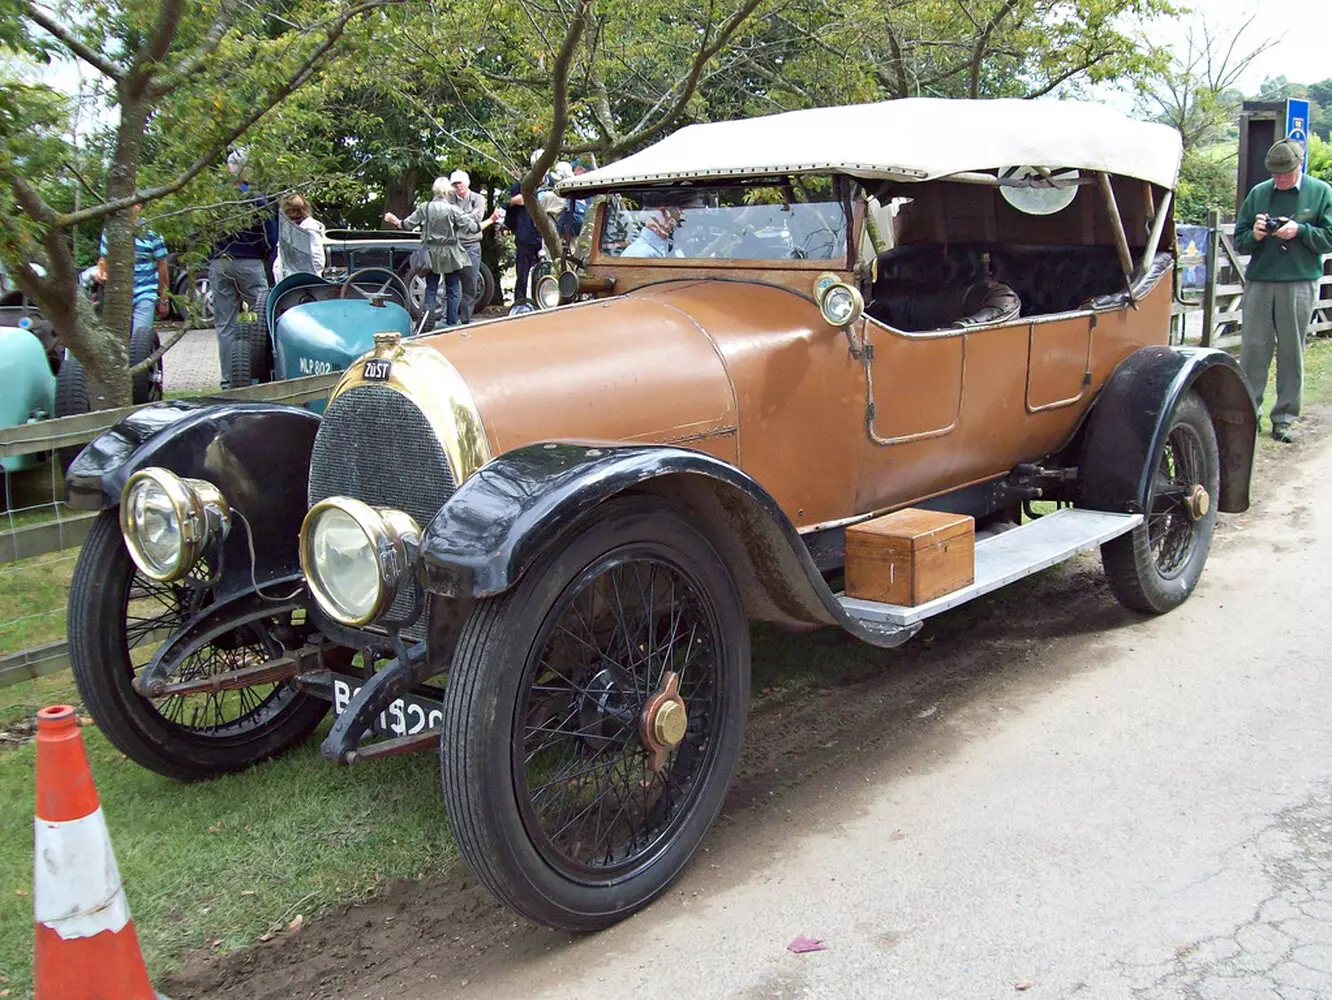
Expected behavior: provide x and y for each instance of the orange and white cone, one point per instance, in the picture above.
(86, 946)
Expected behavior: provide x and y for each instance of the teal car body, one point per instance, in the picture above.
(27, 387)
(315, 330)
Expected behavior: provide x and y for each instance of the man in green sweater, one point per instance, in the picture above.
(1286, 225)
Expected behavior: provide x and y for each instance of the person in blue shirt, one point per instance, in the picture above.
(656, 238)
(150, 275)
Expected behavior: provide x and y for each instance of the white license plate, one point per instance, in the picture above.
(406, 716)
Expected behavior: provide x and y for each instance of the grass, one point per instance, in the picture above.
(219, 864)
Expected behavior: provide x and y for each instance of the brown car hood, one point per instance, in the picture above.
(629, 368)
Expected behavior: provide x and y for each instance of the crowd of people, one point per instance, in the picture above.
(1285, 224)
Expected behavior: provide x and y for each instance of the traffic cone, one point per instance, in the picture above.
(86, 947)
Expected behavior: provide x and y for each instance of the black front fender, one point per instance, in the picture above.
(1130, 419)
(516, 507)
(257, 454)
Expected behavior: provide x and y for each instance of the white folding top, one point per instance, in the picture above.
(914, 139)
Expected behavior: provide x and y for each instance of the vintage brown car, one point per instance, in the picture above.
(536, 543)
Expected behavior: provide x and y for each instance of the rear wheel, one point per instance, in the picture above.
(71, 398)
(485, 287)
(252, 352)
(1155, 567)
(117, 620)
(416, 282)
(147, 384)
(593, 718)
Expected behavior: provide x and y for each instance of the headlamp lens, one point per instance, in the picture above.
(343, 566)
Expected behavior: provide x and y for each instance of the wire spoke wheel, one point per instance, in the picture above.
(154, 611)
(594, 715)
(593, 800)
(1172, 529)
(119, 619)
(1155, 567)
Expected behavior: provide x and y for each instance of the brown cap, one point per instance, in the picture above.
(1284, 156)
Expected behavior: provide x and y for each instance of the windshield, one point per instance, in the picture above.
(800, 219)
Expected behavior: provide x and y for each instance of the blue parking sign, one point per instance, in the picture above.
(1297, 124)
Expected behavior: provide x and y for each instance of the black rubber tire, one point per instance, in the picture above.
(485, 289)
(252, 356)
(147, 385)
(100, 661)
(1130, 565)
(71, 398)
(416, 306)
(481, 702)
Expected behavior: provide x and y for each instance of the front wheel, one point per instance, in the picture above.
(1155, 567)
(594, 715)
(118, 618)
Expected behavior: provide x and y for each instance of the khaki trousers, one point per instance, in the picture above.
(1276, 316)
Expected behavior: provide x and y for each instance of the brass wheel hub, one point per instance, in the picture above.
(663, 722)
(1198, 503)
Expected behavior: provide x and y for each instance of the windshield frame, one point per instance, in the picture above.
(841, 188)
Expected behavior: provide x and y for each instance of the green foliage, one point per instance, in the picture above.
(1319, 163)
(1206, 181)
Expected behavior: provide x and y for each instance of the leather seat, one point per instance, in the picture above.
(914, 306)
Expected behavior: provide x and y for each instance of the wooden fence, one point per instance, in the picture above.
(1222, 302)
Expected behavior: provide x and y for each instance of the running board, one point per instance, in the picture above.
(1009, 556)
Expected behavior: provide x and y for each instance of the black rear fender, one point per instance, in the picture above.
(257, 454)
(1130, 418)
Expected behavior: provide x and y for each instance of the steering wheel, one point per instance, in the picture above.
(356, 287)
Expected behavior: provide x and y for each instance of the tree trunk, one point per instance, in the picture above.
(400, 198)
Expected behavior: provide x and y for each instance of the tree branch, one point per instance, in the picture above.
(690, 83)
(95, 59)
(191, 64)
(559, 122)
(210, 155)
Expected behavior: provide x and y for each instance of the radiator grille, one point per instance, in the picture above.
(375, 445)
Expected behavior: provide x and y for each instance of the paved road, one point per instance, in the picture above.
(1153, 822)
(191, 363)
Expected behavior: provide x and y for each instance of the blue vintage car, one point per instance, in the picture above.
(319, 326)
(40, 380)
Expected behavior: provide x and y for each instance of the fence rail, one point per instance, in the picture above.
(62, 432)
(33, 663)
(65, 532)
(1223, 292)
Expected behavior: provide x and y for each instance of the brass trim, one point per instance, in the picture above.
(200, 510)
(425, 376)
(1198, 503)
(663, 721)
(395, 540)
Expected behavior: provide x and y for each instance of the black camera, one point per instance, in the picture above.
(1273, 223)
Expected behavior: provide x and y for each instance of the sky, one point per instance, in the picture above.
(1302, 30)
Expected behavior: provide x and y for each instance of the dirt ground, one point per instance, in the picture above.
(427, 939)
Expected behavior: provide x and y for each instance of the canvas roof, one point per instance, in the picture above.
(914, 139)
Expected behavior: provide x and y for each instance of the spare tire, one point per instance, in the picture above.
(252, 353)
